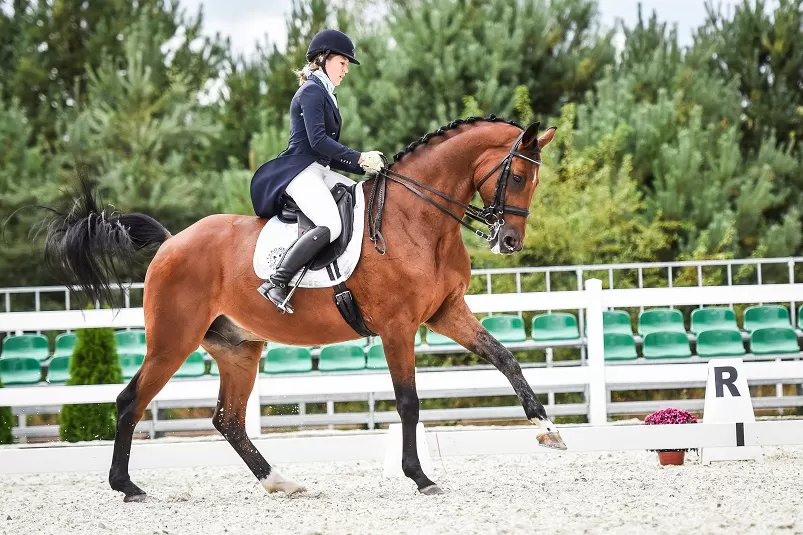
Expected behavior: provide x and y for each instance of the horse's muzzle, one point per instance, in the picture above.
(508, 241)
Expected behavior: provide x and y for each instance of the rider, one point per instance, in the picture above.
(303, 171)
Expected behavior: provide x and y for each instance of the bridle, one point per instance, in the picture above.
(491, 215)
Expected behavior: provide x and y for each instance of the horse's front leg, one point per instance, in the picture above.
(399, 352)
(455, 320)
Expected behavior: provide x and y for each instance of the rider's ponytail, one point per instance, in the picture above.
(305, 73)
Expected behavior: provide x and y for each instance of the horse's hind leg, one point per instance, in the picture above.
(158, 367)
(167, 348)
(238, 365)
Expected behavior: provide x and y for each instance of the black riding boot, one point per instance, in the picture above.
(299, 254)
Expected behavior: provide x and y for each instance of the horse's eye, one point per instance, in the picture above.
(517, 178)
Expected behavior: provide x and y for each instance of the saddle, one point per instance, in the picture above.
(344, 198)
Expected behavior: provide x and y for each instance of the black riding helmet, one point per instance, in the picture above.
(331, 42)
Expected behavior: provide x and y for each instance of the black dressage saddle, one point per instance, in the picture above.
(345, 199)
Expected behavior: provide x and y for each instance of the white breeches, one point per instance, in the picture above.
(310, 191)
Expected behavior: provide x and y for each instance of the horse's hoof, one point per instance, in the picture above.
(135, 498)
(431, 490)
(551, 440)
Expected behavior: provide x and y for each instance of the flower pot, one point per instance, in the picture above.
(671, 457)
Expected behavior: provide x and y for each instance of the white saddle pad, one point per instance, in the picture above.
(276, 237)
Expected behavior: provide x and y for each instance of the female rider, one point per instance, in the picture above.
(303, 171)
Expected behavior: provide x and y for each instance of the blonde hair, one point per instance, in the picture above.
(303, 73)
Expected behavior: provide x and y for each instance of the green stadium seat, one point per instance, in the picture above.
(660, 320)
(194, 366)
(213, 369)
(376, 358)
(65, 345)
(130, 341)
(619, 346)
(555, 326)
(58, 371)
(766, 316)
(20, 371)
(130, 363)
(418, 337)
(666, 345)
(706, 319)
(341, 357)
(800, 317)
(720, 343)
(774, 341)
(436, 339)
(505, 328)
(282, 358)
(616, 321)
(26, 345)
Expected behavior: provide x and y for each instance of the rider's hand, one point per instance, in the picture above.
(372, 161)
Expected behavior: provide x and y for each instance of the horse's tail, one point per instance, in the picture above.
(90, 247)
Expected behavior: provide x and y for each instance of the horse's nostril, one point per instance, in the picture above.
(509, 242)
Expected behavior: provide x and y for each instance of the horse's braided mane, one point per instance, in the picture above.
(454, 124)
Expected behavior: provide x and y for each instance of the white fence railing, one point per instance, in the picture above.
(594, 377)
(726, 272)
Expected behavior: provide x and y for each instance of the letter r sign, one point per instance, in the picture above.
(725, 376)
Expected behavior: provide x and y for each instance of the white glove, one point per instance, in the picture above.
(373, 161)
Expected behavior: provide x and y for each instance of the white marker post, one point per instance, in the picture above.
(727, 400)
(393, 451)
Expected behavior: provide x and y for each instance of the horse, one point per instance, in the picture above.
(200, 285)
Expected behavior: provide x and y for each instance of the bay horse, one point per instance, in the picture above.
(200, 286)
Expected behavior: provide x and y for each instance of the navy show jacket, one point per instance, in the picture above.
(314, 134)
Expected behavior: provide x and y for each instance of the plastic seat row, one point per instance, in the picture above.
(36, 345)
(702, 319)
(506, 329)
(710, 343)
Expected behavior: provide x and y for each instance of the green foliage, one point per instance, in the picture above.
(663, 152)
(6, 423)
(93, 362)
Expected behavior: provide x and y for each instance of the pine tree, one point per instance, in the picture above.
(146, 145)
(57, 44)
(28, 176)
(93, 362)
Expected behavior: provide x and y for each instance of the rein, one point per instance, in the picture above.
(491, 215)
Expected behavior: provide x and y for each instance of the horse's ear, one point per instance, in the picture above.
(547, 136)
(530, 137)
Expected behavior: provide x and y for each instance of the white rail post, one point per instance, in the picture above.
(597, 399)
(253, 422)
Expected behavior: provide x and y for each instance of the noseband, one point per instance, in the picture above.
(491, 215)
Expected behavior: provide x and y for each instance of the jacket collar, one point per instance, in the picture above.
(314, 79)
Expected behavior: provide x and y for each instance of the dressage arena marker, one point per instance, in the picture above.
(727, 400)
(370, 446)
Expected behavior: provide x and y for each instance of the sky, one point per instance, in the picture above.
(249, 21)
